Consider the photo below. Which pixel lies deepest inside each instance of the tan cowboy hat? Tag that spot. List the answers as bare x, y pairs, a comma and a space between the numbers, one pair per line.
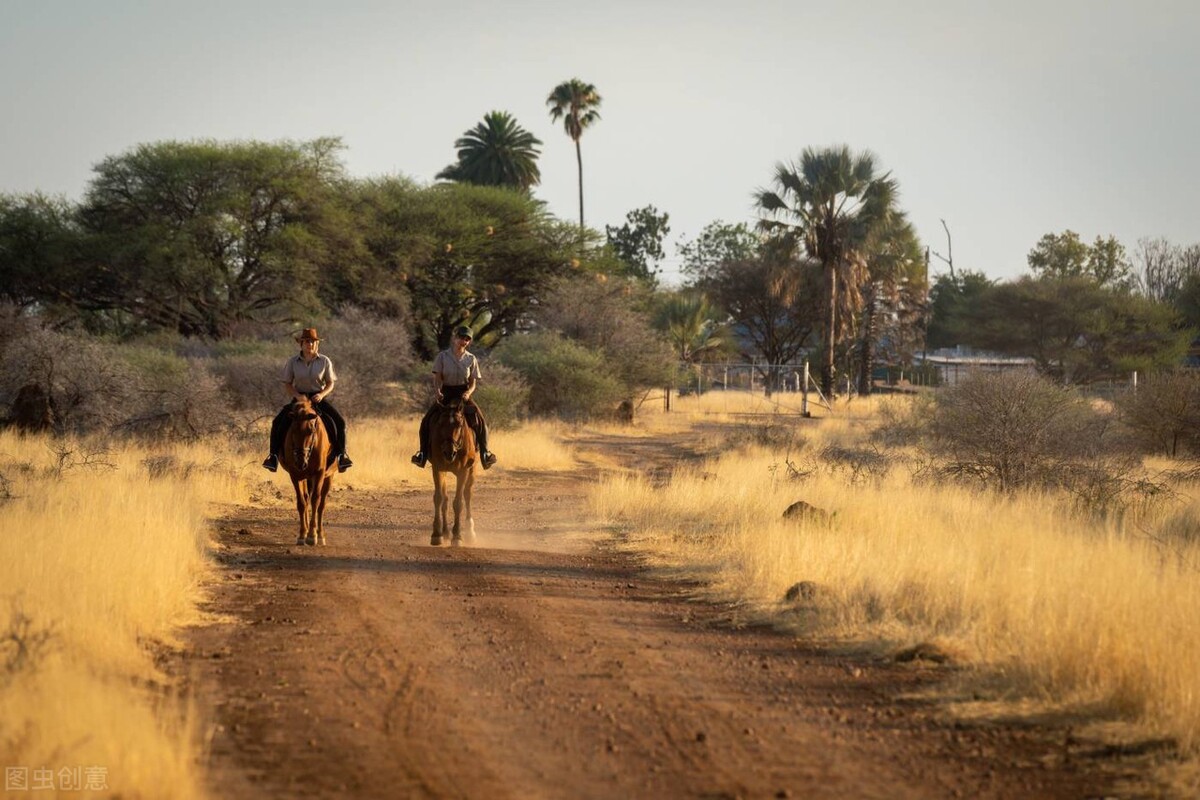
308, 335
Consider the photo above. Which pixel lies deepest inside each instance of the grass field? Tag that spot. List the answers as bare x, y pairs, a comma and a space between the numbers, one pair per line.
1046, 604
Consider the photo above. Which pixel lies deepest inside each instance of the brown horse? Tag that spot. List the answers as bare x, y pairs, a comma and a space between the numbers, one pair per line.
306, 457
452, 451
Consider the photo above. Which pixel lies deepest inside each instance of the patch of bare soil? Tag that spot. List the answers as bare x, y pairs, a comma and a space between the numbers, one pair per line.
542, 663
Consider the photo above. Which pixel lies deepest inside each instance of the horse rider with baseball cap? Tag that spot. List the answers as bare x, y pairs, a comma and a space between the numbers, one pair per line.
456, 374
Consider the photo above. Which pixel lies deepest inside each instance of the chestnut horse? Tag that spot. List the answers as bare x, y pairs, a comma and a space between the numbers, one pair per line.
452, 451
306, 456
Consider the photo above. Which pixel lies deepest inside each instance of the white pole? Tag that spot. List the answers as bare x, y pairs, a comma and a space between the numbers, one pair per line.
804, 398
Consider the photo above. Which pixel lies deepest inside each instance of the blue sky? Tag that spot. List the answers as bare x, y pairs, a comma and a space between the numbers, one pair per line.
1008, 120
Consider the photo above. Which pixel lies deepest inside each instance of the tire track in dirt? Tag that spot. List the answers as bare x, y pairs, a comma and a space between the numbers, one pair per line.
381, 667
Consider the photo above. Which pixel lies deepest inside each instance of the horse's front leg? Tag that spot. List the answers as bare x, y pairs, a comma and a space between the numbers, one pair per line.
467, 486
439, 507
458, 507
323, 495
314, 498
301, 505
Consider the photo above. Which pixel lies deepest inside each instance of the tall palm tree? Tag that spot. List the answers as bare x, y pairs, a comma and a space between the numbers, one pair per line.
692, 326
577, 103
496, 152
895, 285
831, 202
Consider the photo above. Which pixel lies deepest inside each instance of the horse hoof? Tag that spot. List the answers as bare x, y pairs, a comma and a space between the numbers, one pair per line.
299, 540
321, 541
435, 540
310, 541
456, 541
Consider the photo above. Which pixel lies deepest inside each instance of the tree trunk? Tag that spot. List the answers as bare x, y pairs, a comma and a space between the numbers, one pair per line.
579, 161
866, 361
830, 331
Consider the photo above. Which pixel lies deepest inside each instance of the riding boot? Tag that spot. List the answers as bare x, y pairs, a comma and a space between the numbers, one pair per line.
486, 457
421, 456
279, 428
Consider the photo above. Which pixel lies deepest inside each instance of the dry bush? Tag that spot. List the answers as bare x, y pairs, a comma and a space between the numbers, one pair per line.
502, 395
1010, 431
370, 353
1163, 414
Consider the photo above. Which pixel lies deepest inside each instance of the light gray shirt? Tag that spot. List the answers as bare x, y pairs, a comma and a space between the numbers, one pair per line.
309, 378
457, 371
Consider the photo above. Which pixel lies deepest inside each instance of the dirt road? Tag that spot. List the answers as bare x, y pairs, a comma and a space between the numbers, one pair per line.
542, 663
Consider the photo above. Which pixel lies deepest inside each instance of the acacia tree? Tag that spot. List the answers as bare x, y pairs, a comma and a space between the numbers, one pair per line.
577, 104
197, 236
831, 202
638, 243
496, 152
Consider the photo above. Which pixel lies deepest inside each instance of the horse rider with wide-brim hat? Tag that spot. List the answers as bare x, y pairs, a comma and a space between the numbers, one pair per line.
456, 374
309, 374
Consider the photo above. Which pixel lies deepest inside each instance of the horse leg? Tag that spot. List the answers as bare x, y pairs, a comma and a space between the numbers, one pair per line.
438, 507
468, 483
314, 497
323, 495
301, 505
458, 506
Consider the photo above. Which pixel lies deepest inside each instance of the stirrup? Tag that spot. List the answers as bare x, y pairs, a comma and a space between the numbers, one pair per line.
344, 462
271, 462
419, 458
487, 459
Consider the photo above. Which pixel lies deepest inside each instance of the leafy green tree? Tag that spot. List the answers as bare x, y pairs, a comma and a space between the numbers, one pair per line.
1077, 330
39, 239
612, 316
692, 325
1065, 255
496, 152
718, 243
773, 300
831, 202
461, 253
894, 295
954, 307
198, 236
577, 104
638, 243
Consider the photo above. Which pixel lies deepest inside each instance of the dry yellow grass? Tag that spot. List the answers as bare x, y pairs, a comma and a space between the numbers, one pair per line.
1061, 608
106, 561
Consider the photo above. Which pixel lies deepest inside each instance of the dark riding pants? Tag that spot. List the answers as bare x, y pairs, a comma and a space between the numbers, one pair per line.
470, 411
333, 423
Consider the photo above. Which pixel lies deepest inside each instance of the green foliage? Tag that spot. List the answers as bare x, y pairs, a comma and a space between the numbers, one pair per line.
566, 378
832, 202
196, 236
503, 395
773, 302
638, 243
718, 244
1065, 255
692, 326
955, 307
577, 104
1078, 330
461, 253
39, 236
496, 152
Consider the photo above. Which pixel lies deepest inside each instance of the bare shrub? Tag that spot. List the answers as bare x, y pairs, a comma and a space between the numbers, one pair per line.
904, 422
23, 642
1164, 413
176, 398
251, 382
502, 395
1016, 430
370, 353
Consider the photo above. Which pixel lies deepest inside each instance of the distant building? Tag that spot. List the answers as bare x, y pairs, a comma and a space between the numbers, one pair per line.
953, 364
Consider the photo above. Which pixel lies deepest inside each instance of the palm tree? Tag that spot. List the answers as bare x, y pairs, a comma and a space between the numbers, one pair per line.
691, 324
496, 152
577, 103
895, 285
831, 201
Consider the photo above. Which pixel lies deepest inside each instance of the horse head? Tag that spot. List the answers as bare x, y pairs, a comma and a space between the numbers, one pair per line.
308, 427
453, 430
